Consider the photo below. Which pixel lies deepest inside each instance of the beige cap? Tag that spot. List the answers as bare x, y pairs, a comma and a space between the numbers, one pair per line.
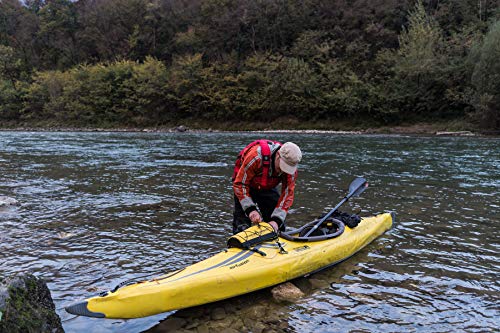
290, 156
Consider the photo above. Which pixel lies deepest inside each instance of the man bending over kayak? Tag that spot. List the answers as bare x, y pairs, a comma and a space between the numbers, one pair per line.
259, 169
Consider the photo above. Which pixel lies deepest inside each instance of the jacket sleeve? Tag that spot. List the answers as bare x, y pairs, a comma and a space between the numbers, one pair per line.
241, 184
286, 199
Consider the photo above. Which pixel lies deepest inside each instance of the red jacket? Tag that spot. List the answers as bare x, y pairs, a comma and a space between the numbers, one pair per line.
250, 175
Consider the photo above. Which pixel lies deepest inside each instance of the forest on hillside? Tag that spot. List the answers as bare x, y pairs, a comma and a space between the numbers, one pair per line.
112, 63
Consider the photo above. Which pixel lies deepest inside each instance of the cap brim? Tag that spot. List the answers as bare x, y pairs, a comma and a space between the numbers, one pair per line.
287, 168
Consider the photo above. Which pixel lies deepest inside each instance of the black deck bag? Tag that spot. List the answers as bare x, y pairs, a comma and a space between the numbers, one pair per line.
350, 220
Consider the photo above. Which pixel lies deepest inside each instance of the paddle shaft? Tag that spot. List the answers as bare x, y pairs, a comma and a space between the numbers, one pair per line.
346, 198
326, 217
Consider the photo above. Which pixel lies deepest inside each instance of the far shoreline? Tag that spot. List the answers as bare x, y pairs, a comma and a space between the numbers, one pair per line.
396, 130
463, 127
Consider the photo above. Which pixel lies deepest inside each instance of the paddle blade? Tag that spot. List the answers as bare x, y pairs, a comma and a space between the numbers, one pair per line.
357, 187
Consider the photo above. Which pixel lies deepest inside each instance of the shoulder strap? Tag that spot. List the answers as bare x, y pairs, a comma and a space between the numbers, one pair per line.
266, 160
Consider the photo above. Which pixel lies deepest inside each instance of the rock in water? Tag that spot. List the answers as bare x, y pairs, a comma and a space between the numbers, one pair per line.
286, 292
7, 201
181, 128
26, 306
64, 235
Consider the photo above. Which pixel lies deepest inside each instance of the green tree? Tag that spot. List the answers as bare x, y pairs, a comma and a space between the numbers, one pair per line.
10, 103
10, 65
148, 95
344, 94
43, 98
453, 15
111, 29
247, 90
58, 29
313, 45
18, 28
486, 78
420, 46
187, 83
292, 90
418, 66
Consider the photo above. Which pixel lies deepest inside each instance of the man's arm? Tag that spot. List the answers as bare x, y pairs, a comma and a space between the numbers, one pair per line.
241, 184
286, 199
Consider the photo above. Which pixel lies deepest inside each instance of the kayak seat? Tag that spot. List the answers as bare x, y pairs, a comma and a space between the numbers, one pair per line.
330, 228
327, 228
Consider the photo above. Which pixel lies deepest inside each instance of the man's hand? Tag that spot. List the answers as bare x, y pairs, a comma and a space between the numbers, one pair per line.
255, 217
274, 225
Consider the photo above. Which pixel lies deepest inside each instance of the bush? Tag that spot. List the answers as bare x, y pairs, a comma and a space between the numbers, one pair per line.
119, 93
43, 98
148, 97
10, 101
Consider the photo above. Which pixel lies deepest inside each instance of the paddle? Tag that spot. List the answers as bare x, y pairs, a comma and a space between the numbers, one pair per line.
357, 187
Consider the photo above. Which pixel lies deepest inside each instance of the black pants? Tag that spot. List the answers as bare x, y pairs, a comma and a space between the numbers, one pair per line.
266, 201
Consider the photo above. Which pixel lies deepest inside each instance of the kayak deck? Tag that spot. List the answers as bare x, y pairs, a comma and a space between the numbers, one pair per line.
231, 273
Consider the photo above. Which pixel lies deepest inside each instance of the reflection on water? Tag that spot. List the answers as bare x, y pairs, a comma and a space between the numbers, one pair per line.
99, 208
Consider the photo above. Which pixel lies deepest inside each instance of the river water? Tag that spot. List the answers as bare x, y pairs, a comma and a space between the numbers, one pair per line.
96, 209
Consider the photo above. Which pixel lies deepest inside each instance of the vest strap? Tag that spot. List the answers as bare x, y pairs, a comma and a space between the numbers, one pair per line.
266, 161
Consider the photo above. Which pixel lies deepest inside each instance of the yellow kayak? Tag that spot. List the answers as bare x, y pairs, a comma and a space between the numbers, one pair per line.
233, 272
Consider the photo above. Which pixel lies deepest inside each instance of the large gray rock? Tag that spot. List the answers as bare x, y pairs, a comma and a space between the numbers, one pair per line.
26, 306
